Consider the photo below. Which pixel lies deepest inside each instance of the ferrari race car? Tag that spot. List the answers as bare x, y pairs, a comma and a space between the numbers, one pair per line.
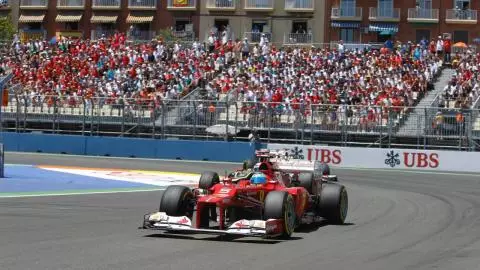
269, 199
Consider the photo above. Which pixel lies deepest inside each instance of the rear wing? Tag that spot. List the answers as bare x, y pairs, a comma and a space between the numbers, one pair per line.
284, 162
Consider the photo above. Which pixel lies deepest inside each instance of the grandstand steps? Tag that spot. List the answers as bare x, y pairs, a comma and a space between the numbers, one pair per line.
416, 120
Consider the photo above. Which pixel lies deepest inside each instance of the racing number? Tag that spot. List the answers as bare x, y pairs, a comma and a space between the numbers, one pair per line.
261, 195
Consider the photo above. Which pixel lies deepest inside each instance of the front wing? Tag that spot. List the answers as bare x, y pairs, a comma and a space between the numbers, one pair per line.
258, 228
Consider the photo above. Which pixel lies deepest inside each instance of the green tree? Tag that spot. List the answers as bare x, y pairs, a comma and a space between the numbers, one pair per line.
166, 35
7, 30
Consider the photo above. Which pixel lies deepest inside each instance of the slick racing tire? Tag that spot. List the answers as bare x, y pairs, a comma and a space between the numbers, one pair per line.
280, 205
177, 201
307, 181
208, 180
333, 204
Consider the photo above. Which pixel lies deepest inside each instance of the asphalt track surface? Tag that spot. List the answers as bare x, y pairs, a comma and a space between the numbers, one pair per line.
397, 220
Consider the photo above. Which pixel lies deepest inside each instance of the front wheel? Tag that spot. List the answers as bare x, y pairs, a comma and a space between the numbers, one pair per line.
280, 205
177, 201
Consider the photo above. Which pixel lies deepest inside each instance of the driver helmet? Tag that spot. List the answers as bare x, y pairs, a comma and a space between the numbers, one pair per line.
258, 179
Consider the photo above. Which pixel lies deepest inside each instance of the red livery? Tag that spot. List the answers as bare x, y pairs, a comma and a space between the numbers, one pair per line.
267, 199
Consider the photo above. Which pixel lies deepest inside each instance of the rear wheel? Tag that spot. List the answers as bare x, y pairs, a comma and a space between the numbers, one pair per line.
177, 201
306, 180
333, 203
208, 180
280, 205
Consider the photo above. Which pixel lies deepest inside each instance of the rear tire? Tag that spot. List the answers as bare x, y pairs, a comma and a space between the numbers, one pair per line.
208, 180
306, 181
176, 201
280, 205
333, 204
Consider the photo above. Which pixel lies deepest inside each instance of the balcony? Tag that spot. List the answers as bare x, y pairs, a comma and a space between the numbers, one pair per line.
70, 4
221, 5
384, 14
256, 37
419, 15
5, 4
106, 4
182, 5
294, 38
259, 5
33, 4
347, 14
299, 5
142, 4
458, 16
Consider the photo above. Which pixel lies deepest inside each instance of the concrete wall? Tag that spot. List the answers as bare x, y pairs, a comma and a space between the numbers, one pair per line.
128, 147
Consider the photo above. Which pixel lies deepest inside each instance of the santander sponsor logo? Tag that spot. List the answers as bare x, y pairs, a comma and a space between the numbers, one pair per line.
421, 160
324, 155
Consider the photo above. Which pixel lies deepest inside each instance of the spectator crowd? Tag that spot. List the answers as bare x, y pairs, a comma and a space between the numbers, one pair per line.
261, 77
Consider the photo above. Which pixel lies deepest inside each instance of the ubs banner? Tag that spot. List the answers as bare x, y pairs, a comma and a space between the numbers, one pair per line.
376, 158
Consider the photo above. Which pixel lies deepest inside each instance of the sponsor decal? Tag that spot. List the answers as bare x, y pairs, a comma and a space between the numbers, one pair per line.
271, 227
242, 224
393, 159
184, 220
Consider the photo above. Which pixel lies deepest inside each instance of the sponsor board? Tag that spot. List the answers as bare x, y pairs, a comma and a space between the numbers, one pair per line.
377, 158
135, 176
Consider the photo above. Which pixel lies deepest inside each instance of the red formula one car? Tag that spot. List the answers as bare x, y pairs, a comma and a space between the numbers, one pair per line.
269, 200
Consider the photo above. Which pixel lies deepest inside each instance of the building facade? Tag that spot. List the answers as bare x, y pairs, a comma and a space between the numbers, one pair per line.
363, 21
141, 19
281, 21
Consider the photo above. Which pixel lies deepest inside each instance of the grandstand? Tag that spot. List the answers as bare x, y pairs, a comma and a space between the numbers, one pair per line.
366, 97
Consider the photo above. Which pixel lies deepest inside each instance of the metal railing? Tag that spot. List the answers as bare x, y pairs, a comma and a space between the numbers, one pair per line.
33, 3
105, 3
184, 35
142, 3
279, 122
26, 35
299, 4
255, 37
384, 13
356, 46
259, 4
461, 15
423, 14
295, 38
70, 3
347, 12
221, 4
141, 35
182, 4
100, 33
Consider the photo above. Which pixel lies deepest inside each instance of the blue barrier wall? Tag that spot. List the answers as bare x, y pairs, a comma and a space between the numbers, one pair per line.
128, 147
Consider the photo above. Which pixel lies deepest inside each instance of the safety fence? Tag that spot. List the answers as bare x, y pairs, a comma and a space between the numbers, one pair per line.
290, 122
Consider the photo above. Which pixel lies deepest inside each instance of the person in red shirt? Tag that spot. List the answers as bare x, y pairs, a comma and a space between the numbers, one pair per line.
447, 49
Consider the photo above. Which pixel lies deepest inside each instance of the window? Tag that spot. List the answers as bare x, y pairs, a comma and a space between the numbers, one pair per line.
460, 36
347, 35
221, 24
424, 4
259, 26
422, 34
299, 27
347, 8
461, 4
181, 25
71, 26
385, 8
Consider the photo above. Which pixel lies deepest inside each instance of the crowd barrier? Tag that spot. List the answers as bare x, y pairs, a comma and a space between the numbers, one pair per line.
128, 147
384, 158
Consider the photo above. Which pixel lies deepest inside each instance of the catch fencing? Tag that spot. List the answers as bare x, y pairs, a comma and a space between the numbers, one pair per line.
344, 125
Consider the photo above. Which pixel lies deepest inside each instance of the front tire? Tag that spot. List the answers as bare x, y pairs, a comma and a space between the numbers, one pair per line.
176, 201
333, 204
208, 180
280, 205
